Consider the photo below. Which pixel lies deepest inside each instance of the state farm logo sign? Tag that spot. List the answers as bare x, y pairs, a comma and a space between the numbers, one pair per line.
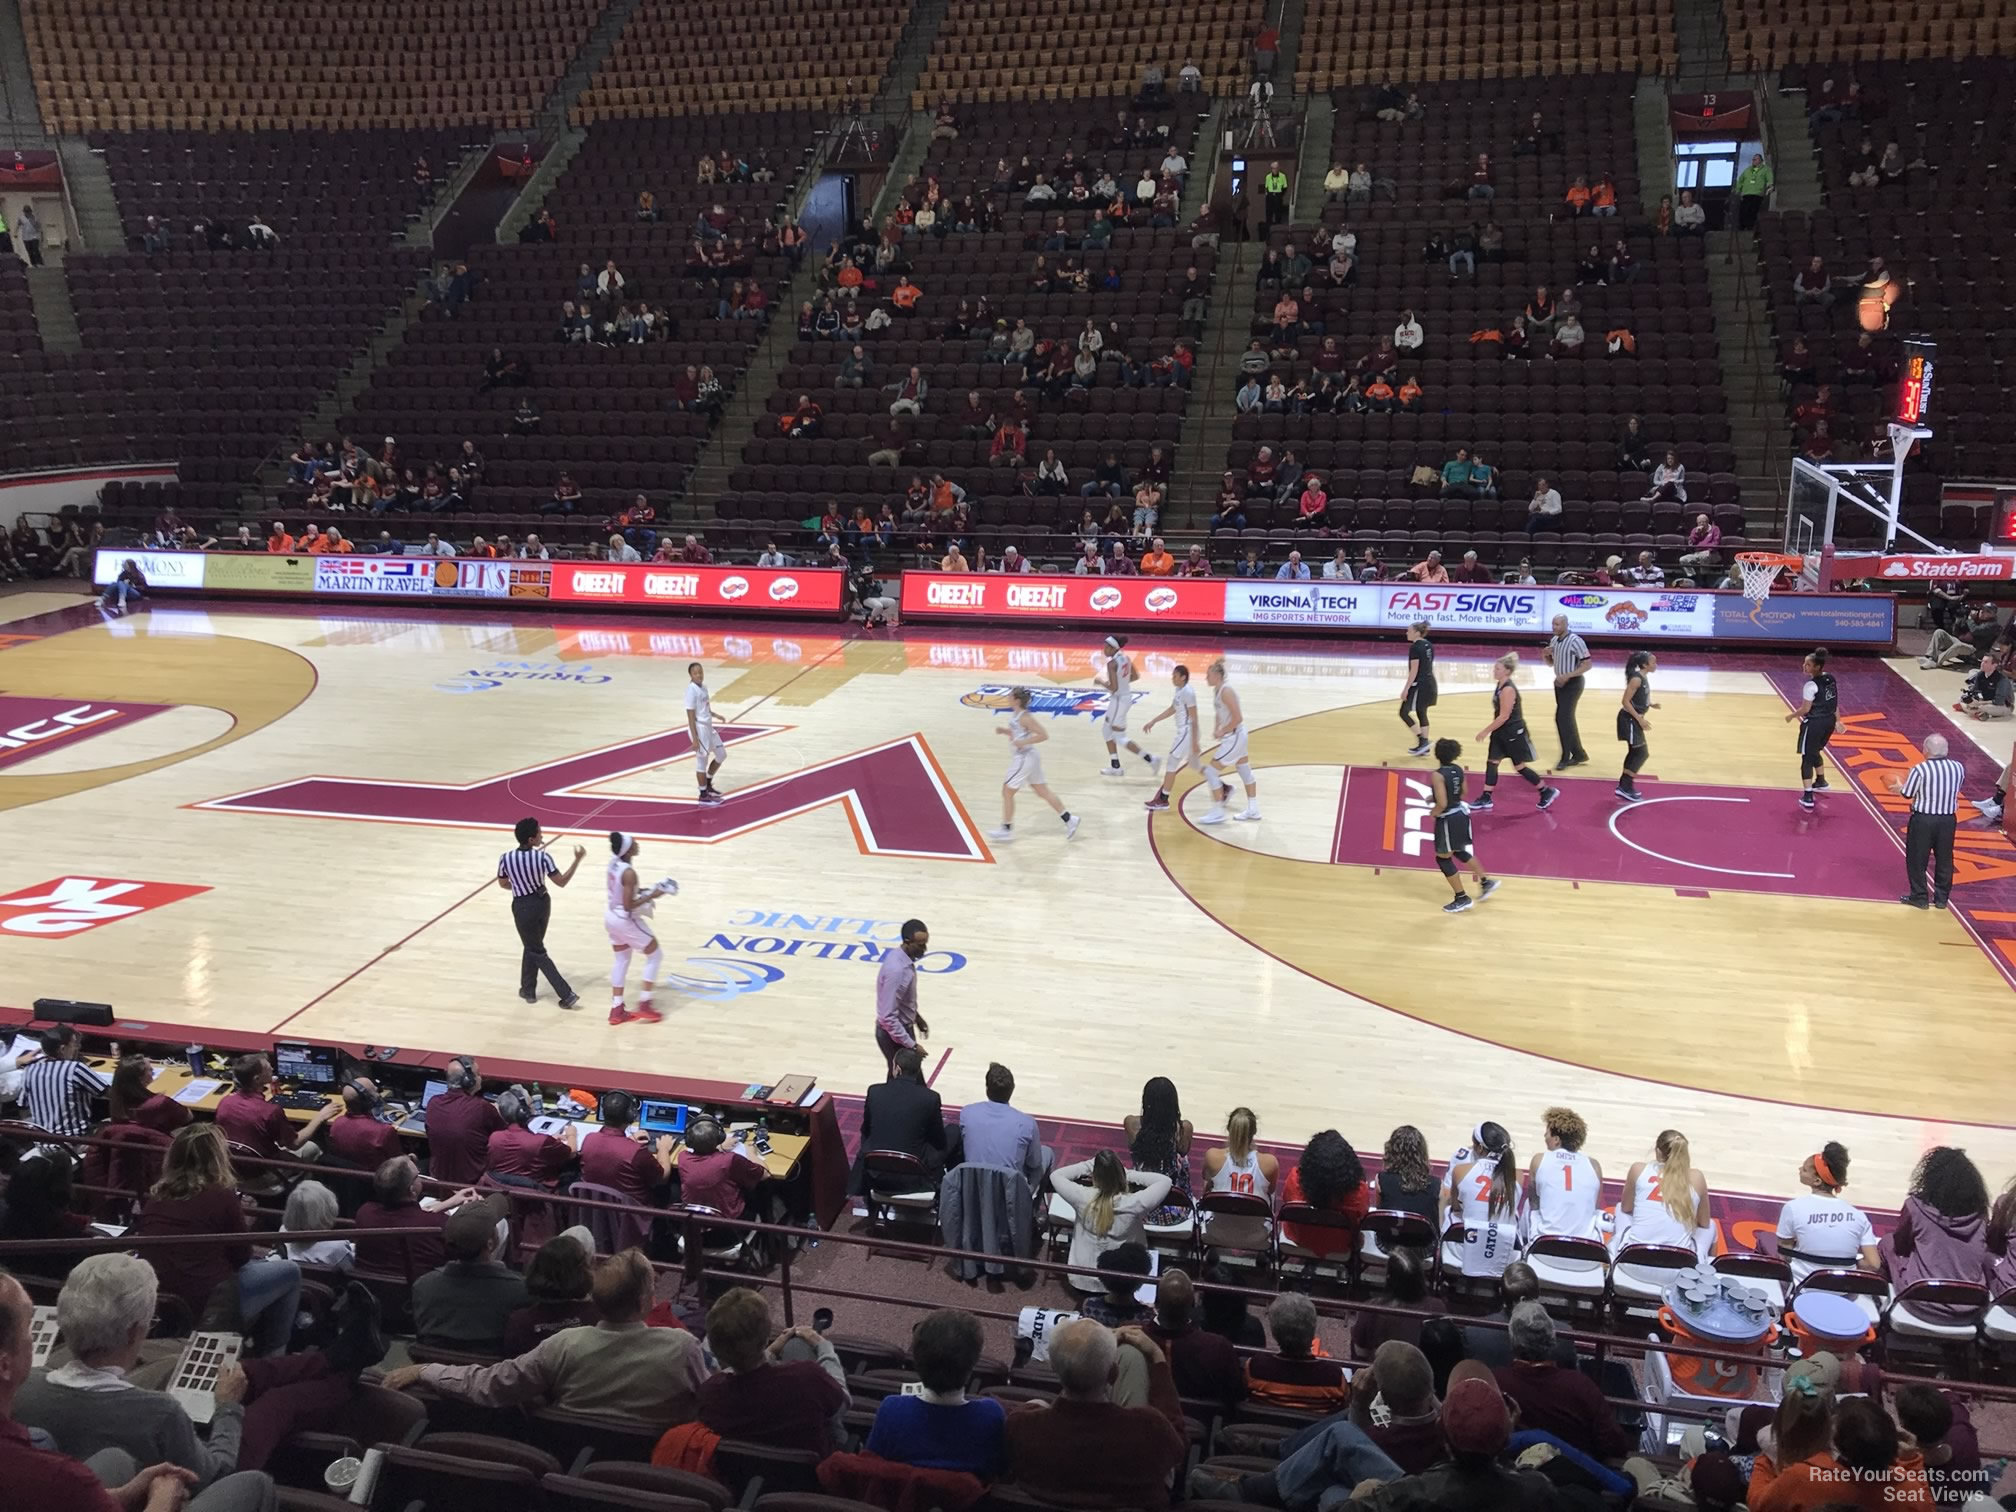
958, 595
71, 905
1105, 599
598, 584
680, 585
1160, 600
1038, 596
782, 590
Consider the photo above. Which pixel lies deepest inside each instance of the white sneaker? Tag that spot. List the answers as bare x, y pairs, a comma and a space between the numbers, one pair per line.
1002, 833
1110, 770
1250, 815
1216, 815
1070, 826
1154, 766
1990, 809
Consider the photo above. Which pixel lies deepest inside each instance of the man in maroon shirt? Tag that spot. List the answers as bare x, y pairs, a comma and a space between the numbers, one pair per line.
1083, 1449
710, 1176
395, 1203
460, 1122
613, 1157
358, 1138
763, 1394
1554, 1398
1204, 1364
248, 1118
515, 1150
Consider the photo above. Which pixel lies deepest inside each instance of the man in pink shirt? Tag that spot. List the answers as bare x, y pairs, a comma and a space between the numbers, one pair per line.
249, 1118
1701, 543
898, 1024
710, 1176
1430, 570
614, 1158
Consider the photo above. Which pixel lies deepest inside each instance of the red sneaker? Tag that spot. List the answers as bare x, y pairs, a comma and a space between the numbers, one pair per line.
644, 1013
618, 1016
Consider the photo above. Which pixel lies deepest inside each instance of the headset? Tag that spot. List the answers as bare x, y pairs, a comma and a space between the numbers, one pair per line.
715, 1141
353, 1086
466, 1079
617, 1107
514, 1104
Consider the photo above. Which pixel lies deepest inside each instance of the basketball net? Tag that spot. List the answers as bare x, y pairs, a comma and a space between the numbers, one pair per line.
1760, 570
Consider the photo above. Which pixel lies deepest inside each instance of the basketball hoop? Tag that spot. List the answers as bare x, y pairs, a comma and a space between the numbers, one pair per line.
1760, 570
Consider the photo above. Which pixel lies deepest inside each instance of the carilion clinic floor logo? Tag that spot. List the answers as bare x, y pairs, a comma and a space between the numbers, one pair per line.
771, 935
1051, 701
504, 671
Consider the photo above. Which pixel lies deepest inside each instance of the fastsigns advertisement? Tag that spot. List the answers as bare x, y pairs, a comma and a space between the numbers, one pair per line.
1464, 606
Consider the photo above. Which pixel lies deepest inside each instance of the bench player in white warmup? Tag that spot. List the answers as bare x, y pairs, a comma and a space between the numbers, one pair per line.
1567, 1184
627, 920
708, 749
1119, 676
1184, 751
1025, 767
1229, 732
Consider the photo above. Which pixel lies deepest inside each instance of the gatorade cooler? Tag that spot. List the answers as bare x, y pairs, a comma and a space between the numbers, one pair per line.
1713, 1311
1827, 1320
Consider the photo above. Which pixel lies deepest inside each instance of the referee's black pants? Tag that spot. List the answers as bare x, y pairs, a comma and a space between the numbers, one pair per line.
1929, 837
531, 914
1566, 697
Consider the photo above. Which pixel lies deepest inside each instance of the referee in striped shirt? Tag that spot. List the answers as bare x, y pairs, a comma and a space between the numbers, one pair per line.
525, 871
1933, 786
1570, 655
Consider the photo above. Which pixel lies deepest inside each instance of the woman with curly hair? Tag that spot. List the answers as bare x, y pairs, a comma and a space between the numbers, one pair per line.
1158, 1141
1406, 1181
1328, 1176
1942, 1230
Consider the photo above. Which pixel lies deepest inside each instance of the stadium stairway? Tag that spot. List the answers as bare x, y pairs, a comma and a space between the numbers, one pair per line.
1702, 37
92, 199
55, 315
566, 146
554, 114
1207, 420
899, 86
1319, 117
1795, 164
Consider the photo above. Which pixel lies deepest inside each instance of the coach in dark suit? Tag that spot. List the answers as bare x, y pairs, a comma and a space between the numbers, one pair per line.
905, 1115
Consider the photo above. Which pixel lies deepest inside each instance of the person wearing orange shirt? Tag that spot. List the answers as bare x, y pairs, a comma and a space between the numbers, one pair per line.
279, 542
905, 296
311, 541
1578, 196
1603, 198
848, 279
1379, 396
1411, 398
1157, 562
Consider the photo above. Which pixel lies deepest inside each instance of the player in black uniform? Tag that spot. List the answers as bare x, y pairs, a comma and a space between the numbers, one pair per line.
1452, 828
1418, 697
1508, 738
1632, 723
1819, 707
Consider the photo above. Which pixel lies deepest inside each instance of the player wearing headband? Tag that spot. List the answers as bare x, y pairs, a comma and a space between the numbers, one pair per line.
627, 919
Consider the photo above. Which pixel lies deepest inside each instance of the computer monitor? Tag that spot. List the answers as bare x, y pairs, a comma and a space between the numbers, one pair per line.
664, 1117
307, 1065
432, 1090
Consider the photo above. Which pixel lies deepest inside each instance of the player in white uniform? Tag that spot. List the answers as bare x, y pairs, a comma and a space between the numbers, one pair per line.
1823, 1228
1666, 1200
1184, 750
1025, 767
708, 750
1567, 1185
1119, 675
1229, 734
628, 920
1484, 1196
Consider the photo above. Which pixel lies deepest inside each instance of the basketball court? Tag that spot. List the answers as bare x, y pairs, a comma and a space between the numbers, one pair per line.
314, 803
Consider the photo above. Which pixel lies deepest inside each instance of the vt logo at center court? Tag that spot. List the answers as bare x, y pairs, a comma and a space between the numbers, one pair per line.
897, 801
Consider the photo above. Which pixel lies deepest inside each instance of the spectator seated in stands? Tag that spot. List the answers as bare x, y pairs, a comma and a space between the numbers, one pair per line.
1250, 565
515, 1154
398, 1201
1634, 454
1568, 338
1205, 1365
1689, 218
1543, 510
803, 421
1117, 1306
1943, 1431
1989, 693
1645, 572
620, 1369
1294, 569
1429, 569
940, 1428
40, 1204
1109, 479
787, 1391
911, 390
249, 1118
1862, 363
1313, 512
713, 1175
311, 1206
198, 1194
1703, 544
468, 1301
1811, 285
87, 1405
557, 1284
566, 496
1295, 1376
1156, 561
1456, 482
1845, 1453
1669, 482
1470, 570
1085, 1449
1229, 512
505, 371
1557, 1399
